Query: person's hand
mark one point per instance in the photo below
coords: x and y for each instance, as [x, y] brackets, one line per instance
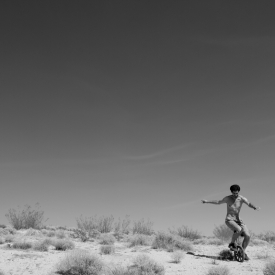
[203, 201]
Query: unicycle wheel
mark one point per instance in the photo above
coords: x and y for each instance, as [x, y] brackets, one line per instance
[239, 254]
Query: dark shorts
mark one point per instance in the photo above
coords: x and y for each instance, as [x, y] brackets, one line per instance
[237, 226]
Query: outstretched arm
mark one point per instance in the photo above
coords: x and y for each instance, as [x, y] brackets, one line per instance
[250, 204]
[215, 201]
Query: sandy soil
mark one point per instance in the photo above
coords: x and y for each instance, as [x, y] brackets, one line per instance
[25, 262]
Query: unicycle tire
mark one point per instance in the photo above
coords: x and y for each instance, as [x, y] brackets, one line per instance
[239, 254]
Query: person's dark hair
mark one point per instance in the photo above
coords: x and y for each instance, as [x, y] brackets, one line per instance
[235, 188]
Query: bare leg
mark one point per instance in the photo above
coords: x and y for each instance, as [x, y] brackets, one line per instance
[246, 241]
[235, 236]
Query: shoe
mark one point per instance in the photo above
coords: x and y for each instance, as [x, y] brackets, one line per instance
[246, 258]
[233, 246]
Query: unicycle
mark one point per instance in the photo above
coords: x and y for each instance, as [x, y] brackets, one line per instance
[239, 254]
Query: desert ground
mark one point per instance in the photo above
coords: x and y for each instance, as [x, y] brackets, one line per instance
[204, 256]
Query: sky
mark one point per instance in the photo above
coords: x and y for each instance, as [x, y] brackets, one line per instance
[139, 108]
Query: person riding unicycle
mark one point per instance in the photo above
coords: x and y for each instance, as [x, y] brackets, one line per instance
[234, 204]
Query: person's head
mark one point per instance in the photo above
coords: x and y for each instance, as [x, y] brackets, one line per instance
[235, 189]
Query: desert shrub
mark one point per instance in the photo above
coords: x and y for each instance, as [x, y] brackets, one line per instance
[122, 227]
[80, 262]
[88, 226]
[3, 226]
[107, 239]
[81, 234]
[171, 242]
[63, 244]
[219, 270]
[21, 245]
[258, 242]
[107, 249]
[2, 240]
[122, 270]
[223, 232]
[177, 256]
[41, 246]
[105, 224]
[60, 234]
[7, 231]
[268, 236]
[144, 265]
[226, 254]
[50, 233]
[9, 238]
[269, 268]
[140, 239]
[33, 232]
[26, 218]
[186, 232]
[215, 242]
[143, 227]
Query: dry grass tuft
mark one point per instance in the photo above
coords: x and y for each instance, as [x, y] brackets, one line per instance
[63, 244]
[226, 254]
[140, 239]
[177, 256]
[186, 233]
[80, 262]
[143, 264]
[107, 249]
[21, 245]
[143, 227]
[171, 242]
[107, 239]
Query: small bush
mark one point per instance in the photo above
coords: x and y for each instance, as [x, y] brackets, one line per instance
[171, 242]
[107, 249]
[223, 232]
[121, 270]
[21, 245]
[7, 231]
[60, 234]
[33, 232]
[81, 234]
[50, 233]
[215, 242]
[107, 239]
[26, 218]
[41, 246]
[88, 226]
[219, 270]
[258, 242]
[186, 232]
[3, 226]
[144, 265]
[80, 262]
[142, 227]
[268, 236]
[105, 224]
[269, 268]
[177, 256]
[226, 254]
[140, 239]
[9, 238]
[63, 244]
